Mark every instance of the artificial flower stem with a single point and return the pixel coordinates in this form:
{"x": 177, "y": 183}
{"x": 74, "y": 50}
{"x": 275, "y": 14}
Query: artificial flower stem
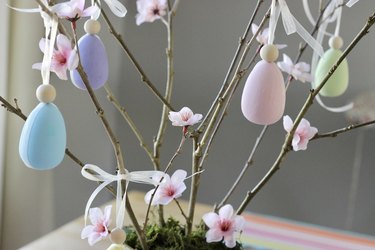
{"x": 168, "y": 95}
{"x": 236, "y": 57}
{"x": 309, "y": 101}
{"x": 138, "y": 67}
{"x": 129, "y": 120}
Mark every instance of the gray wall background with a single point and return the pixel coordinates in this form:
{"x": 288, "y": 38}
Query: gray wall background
{"x": 312, "y": 186}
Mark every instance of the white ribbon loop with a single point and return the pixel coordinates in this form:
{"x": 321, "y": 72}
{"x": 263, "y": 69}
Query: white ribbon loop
{"x": 95, "y": 173}
{"x": 350, "y": 3}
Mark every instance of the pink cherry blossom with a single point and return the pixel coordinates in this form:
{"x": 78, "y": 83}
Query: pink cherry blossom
{"x": 262, "y": 37}
{"x": 299, "y": 71}
{"x": 184, "y": 117}
{"x": 65, "y": 57}
{"x": 100, "y": 223}
{"x": 223, "y": 225}
{"x": 303, "y": 133}
{"x": 150, "y": 10}
{"x": 170, "y": 188}
{"x": 74, "y": 9}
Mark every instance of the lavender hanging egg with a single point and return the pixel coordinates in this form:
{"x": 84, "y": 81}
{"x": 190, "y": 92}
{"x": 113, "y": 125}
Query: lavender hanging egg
{"x": 43, "y": 137}
{"x": 93, "y": 57}
{"x": 263, "y": 97}
{"x": 338, "y": 82}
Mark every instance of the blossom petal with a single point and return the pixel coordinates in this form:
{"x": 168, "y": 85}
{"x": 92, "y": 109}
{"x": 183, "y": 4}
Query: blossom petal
{"x": 63, "y": 43}
{"x": 148, "y": 197}
{"x": 229, "y": 241}
{"x": 86, "y": 231}
{"x": 285, "y": 67}
{"x": 239, "y": 223}
{"x": 60, "y": 72}
{"x": 37, "y": 66}
{"x": 226, "y": 212}
{"x": 107, "y": 213}
{"x": 90, "y": 11}
{"x": 287, "y": 59}
{"x": 211, "y": 219}
{"x": 214, "y": 235}
{"x": 195, "y": 119}
{"x": 42, "y": 44}
{"x": 73, "y": 60}
{"x": 95, "y": 215}
{"x": 254, "y": 28}
{"x": 287, "y": 123}
{"x": 94, "y": 238}
{"x": 178, "y": 176}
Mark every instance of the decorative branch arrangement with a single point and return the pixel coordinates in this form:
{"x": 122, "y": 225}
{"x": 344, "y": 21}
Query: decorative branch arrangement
{"x": 263, "y": 102}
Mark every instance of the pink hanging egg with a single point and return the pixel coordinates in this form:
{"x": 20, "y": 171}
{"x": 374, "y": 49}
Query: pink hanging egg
{"x": 93, "y": 57}
{"x": 263, "y": 97}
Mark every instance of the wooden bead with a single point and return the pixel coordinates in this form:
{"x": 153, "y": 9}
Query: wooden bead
{"x": 46, "y": 93}
{"x": 92, "y": 27}
{"x": 269, "y": 53}
{"x": 118, "y": 236}
{"x": 335, "y": 42}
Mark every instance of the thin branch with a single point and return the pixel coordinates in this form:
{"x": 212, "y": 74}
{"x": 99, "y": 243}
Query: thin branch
{"x": 309, "y": 101}
{"x": 129, "y": 120}
{"x": 138, "y": 67}
{"x": 337, "y": 132}
{"x": 182, "y": 211}
{"x": 236, "y": 57}
{"x": 169, "y": 165}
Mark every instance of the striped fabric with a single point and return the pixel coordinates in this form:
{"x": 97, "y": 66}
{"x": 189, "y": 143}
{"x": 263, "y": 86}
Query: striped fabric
{"x": 263, "y": 232}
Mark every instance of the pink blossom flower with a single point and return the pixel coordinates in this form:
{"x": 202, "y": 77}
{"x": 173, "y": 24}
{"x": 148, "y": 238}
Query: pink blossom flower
{"x": 99, "y": 228}
{"x": 170, "y": 188}
{"x": 223, "y": 225}
{"x": 262, "y": 37}
{"x": 74, "y": 9}
{"x": 65, "y": 57}
{"x": 150, "y": 10}
{"x": 184, "y": 117}
{"x": 299, "y": 71}
{"x": 303, "y": 134}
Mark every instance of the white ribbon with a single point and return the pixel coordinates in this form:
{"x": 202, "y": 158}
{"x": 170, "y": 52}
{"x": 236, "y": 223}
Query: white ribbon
{"x": 95, "y": 173}
{"x": 117, "y": 8}
{"x": 350, "y": 3}
{"x": 291, "y": 25}
{"x": 50, "y": 24}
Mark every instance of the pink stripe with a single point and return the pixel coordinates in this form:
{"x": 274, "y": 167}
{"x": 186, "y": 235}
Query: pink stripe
{"x": 292, "y": 240}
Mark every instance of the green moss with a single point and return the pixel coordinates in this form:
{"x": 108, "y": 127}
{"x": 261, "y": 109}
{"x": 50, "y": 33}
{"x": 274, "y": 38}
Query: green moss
{"x": 172, "y": 236}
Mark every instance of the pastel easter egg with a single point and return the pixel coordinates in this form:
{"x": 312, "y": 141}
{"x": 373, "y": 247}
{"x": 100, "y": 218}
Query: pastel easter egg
{"x": 338, "y": 82}
{"x": 94, "y": 61}
{"x": 263, "y": 97}
{"x": 116, "y": 247}
{"x": 43, "y": 138}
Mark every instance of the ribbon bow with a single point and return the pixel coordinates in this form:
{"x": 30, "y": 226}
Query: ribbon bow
{"x": 95, "y": 173}
{"x": 117, "y": 8}
{"x": 291, "y": 25}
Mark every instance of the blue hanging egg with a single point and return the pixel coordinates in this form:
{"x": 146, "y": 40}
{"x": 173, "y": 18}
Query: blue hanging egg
{"x": 93, "y": 57}
{"x": 43, "y": 138}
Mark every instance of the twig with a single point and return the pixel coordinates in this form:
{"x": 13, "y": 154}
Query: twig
{"x": 236, "y": 57}
{"x": 158, "y": 141}
{"x": 335, "y": 133}
{"x": 130, "y": 121}
{"x": 182, "y": 211}
{"x": 309, "y": 101}
{"x": 178, "y": 151}
{"x": 138, "y": 67}
{"x": 197, "y": 153}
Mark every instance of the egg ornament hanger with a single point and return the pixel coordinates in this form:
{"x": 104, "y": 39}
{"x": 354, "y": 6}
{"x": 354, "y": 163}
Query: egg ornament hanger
{"x": 338, "y": 83}
{"x": 263, "y": 97}
{"x": 43, "y": 138}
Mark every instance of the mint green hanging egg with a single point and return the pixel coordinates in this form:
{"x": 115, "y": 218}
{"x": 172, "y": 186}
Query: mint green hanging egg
{"x": 338, "y": 82}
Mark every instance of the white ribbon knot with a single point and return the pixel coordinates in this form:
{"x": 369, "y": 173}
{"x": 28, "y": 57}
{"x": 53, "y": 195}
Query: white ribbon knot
{"x": 95, "y": 173}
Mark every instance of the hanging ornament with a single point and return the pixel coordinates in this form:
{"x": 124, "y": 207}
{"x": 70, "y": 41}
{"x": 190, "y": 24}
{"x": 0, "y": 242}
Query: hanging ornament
{"x": 338, "y": 82}
{"x": 263, "y": 97}
{"x": 43, "y": 138}
{"x": 93, "y": 58}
